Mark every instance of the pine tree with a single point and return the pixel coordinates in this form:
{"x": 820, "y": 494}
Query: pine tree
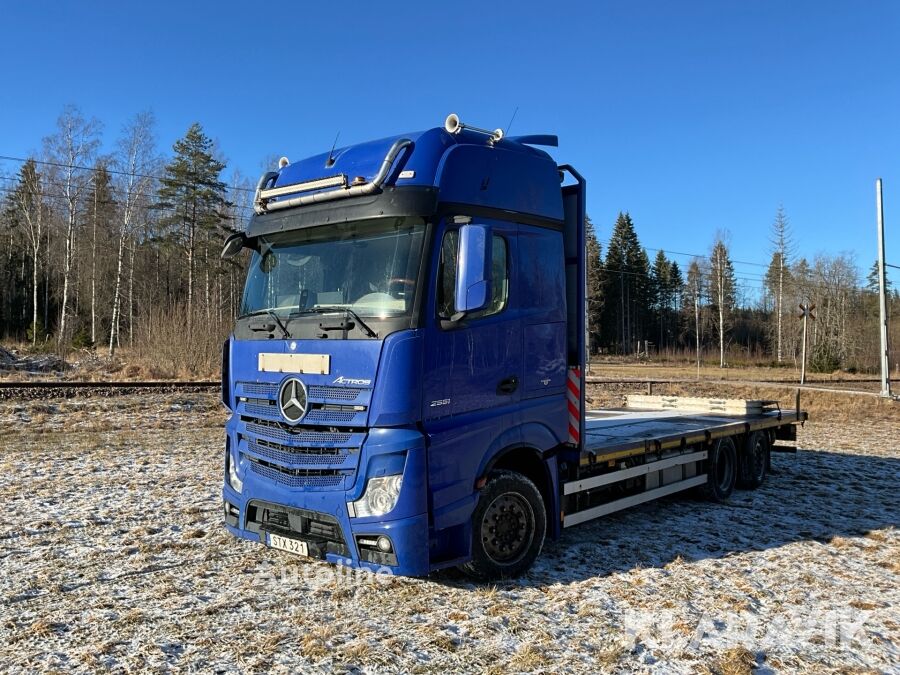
{"x": 692, "y": 300}
{"x": 782, "y": 248}
{"x": 873, "y": 282}
{"x": 722, "y": 291}
{"x": 595, "y": 281}
{"x": 26, "y": 209}
{"x": 193, "y": 193}
{"x": 660, "y": 294}
{"x": 626, "y": 286}
{"x": 676, "y": 286}
{"x": 101, "y": 206}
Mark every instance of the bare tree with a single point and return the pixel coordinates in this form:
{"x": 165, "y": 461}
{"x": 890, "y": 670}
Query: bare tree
{"x": 135, "y": 160}
{"x": 70, "y": 150}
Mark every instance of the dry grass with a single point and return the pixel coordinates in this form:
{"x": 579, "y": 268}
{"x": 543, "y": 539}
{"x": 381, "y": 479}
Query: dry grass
{"x": 734, "y": 661}
{"x": 113, "y": 557}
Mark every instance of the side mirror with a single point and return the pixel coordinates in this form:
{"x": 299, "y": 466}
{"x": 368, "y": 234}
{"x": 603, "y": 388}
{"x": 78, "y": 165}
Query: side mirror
{"x": 473, "y": 270}
{"x": 233, "y": 245}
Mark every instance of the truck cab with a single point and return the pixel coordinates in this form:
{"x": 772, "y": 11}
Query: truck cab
{"x": 405, "y": 338}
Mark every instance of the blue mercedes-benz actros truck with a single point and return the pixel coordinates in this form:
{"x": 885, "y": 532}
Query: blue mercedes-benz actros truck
{"x": 406, "y": 375}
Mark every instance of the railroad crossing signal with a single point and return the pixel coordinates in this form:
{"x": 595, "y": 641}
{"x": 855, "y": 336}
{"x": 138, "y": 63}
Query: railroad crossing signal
{"x": 806, "y": 311}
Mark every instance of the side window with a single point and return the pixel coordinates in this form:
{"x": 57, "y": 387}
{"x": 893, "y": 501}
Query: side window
{"x": 447, "y": 277}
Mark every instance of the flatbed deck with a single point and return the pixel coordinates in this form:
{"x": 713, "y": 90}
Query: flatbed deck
{"x": 625, "y": 432}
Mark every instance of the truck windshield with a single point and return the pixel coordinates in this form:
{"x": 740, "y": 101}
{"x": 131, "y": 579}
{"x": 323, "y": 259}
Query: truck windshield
{"x": 369, "y": 267}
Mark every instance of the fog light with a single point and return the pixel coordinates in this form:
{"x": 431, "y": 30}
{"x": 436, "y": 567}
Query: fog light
{"x": 384, "y": 544}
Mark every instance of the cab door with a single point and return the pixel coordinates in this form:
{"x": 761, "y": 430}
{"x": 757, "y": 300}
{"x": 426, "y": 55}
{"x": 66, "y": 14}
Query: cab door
{"x": 473, "y": 379}
{"x": 476, "y": 361}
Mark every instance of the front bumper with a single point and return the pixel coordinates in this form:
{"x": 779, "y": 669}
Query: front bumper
{"x": 320, "y": 517}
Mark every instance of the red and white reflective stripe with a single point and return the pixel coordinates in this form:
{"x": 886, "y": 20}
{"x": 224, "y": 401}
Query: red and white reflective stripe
{"x": 573, "y": 397}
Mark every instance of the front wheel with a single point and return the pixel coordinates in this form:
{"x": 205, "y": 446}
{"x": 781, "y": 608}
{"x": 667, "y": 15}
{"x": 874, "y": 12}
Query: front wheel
{"x": 508, "y": 527}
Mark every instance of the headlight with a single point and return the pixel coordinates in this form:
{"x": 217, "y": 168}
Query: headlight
{"x": 379, "y": 498}
{"x": 236, "y": 483}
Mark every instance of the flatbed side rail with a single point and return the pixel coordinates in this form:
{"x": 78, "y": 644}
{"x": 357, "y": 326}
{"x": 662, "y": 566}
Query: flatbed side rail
{"x": 674, "y": 441}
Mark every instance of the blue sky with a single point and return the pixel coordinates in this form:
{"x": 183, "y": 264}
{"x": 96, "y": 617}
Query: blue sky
{"x": 693, "y": 116}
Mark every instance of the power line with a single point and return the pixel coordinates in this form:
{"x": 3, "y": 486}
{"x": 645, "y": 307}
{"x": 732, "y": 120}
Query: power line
{"x": 693, "y": 255}
{"x": 112, "y": 188}
{"x": 60, "y": 165}
{"x": 150, "y": 207}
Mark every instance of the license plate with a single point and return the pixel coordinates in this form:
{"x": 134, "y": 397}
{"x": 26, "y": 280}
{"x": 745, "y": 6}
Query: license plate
{"x": 288, "y": 544}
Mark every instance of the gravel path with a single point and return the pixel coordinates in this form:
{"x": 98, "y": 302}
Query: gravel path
{"x": 112, "y": 555}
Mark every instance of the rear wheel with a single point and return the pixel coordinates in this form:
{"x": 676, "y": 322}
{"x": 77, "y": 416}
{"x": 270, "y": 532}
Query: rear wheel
{"x": 508, "y": 527}
{"x": 754, "y": 460}
{"x": 721, "y": 470}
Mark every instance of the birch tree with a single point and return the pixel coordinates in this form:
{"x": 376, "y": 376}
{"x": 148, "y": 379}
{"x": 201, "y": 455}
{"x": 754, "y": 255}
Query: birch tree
{"x": 70, "y": 150}
{"x": 135, "y": 162}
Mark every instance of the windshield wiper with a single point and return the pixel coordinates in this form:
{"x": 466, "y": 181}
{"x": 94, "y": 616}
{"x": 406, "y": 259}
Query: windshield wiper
{"x": 328, "y": 309}
{"x": 274, "y": 316}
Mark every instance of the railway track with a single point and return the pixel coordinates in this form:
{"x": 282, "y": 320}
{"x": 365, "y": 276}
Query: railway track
{"x": 63, "y": 389}
{"x": 30, "y": 390}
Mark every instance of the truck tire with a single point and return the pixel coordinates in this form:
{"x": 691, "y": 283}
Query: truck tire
{"x": 754, "y": 460}
{"x": 508, "y": 527}
{"x": 722, "y": 470}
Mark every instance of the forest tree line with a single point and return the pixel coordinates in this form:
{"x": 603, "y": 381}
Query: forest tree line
{"x": 703, "y": 306}
{"x": 103, "y": 250}
{"x": 121, "y": 248}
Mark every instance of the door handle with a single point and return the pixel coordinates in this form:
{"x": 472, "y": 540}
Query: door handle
{"x": 507, "y": 386}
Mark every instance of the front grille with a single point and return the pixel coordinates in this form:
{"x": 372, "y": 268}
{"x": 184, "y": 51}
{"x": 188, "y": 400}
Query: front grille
{"x": 315, "y": 391}
{"x": 266, "y": 409}
{"x": 260, "y": 389}
{"x": 330, "y": 416}
{"x": 321, "y": 478}
{"x": 334, "y": 393}
{"x": 277, "y": 431}
{"x": 285, "y": 454}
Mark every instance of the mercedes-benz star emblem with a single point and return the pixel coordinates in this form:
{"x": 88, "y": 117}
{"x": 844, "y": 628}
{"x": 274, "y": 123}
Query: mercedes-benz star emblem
{"x": 292, "y": 399}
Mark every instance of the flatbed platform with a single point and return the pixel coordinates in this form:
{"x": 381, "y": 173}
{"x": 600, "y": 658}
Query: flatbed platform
{"x": 615, "y": 433}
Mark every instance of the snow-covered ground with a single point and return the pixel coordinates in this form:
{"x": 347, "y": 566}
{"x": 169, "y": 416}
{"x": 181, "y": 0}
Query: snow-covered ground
{"x": 112, "y": 554}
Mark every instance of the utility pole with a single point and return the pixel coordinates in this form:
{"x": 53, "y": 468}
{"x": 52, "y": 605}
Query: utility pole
{"x": 882, "y": 296}
{"x": 805, "y": 314}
